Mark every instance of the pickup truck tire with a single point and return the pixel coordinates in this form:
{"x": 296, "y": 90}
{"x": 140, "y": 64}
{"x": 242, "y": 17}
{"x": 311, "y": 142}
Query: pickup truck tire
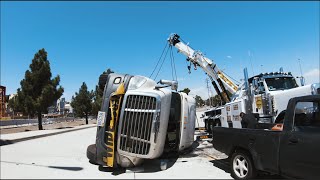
{"x": 242, "y": 166}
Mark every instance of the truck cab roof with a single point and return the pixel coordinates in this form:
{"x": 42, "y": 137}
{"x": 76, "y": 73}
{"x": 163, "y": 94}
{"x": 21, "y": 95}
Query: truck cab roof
{"x": 271, "y": 75}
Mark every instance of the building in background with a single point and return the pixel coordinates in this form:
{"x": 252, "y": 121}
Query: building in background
{"x": 68, "y": 108}
{"x": 59, "y": 108}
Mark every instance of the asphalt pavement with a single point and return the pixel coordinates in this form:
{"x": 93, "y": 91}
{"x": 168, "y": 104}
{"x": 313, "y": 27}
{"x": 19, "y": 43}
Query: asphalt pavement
{"x": 64, "y": 156}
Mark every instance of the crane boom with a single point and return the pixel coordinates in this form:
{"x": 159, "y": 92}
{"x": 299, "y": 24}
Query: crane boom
{"x": 198, "y": 59}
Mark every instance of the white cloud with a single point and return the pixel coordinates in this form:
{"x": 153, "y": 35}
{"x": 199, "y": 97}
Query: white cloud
{"x": 229, "y": 57}
{"x": 312, "y": 76}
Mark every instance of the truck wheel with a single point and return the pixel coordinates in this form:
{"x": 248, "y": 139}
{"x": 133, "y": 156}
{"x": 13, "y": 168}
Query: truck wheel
{"x": 92, "y": 154}
{"x": 242, "y": 166}
{"x": 280, "y": 117}
{"x": 217, "y": 123}
{"x": 209, "y": 126}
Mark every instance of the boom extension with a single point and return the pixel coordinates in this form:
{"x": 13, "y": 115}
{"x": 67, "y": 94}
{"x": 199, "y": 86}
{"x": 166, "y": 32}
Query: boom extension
{"x": 198, "y": 59}
{"x": 218, "y": 90}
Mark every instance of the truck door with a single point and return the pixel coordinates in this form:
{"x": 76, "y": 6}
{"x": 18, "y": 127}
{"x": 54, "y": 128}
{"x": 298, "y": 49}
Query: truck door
{"x": 299, "y": 147}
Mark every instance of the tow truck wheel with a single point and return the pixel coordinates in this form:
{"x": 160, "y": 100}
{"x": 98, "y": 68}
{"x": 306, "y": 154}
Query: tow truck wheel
{"x": 217, "y": 123}
{"x": 242, "y": 166}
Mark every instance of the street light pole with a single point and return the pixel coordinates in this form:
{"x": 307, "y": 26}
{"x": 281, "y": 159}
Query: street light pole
{"x": 301, "y": 77}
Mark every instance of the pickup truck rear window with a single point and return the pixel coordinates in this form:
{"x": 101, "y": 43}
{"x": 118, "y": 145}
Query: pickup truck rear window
{"x": 307, "y": 114}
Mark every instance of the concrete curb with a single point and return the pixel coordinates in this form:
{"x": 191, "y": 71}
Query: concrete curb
{"x": 4, "y": 142}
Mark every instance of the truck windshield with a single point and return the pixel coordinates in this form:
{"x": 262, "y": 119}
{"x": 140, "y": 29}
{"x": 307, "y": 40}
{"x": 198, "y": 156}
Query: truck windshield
{"x": 281, "y": 83}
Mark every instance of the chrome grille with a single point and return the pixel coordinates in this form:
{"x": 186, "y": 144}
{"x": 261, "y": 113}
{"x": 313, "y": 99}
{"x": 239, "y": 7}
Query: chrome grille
{"x": 137, "y": 123}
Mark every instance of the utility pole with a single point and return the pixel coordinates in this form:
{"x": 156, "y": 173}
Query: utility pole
{"x": 301, "y": 77}
{"x": 207, "y": 81}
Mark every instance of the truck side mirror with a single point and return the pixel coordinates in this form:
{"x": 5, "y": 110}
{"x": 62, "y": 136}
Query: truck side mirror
{"x": 173, "y": 84}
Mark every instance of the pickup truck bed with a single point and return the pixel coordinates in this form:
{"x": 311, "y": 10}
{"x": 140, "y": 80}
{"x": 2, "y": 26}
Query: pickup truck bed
{"x": 262, "y": 145}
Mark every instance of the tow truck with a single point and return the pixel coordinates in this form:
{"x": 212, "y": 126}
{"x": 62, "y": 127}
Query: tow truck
{"x": 265, "y": 95}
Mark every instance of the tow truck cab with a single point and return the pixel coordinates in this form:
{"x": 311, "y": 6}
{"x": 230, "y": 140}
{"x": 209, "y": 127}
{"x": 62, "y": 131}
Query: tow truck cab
{"x": 266, "y": 96}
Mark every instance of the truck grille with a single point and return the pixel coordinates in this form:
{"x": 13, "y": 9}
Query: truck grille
{"x": 136, "y": 124}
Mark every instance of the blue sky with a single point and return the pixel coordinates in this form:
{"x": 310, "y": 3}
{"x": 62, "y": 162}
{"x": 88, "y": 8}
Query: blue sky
{"x": 85, "y": 38}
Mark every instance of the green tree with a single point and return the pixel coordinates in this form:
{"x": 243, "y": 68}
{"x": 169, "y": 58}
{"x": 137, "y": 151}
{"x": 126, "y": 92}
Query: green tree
{"x": 38, "y": 91}
{"x": 214, "y": 101}
{"x": 97, "y": 100}
{"x": 185, "y": 90}
{"x": 13, "y": 103}
{"x": 82, "y": 102}
{"x": 98, "y": 93}
{"x": 199, "y": 101}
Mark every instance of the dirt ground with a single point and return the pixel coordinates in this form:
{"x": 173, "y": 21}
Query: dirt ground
{"x": 58, "y": 125}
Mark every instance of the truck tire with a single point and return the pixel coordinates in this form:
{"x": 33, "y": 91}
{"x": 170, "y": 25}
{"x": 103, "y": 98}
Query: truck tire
{"x": 242, "y": 166}
{"x": 280, "y": 117}
{"x": 206, "y": 124}
{"x": 92, "y": 154}
{"x": 217, "y": 123}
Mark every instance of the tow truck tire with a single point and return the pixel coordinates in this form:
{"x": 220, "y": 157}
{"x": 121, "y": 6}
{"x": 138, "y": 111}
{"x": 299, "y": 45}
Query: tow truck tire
{"x": 92, "y": 154}
{"x": 242, "y": 166}
{"x": 217, "y": 123}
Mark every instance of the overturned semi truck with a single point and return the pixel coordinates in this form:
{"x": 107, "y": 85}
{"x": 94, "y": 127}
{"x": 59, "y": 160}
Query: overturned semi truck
{"x": 141, "y": 119}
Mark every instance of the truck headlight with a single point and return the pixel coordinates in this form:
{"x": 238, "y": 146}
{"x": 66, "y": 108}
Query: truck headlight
{"x": 136, "y": 82}
{"x": 315, "y": 88}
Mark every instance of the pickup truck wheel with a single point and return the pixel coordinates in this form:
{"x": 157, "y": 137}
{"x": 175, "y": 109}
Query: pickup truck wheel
{"x": 242, "y": 166}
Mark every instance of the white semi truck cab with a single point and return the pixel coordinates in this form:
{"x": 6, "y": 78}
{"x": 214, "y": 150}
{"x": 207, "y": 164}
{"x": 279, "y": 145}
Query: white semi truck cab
{"x": 265, "y": 95}
{"x": 141, "y": 119}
